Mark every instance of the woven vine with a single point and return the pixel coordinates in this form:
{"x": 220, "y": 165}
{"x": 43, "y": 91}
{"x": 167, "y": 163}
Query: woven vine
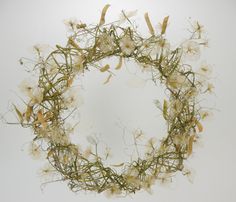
{"x": 50, "y": 99}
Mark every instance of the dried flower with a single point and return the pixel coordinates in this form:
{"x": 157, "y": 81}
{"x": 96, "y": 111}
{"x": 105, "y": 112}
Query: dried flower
{"x": 191, "y": 50}
{"x": 27, "y": 86}
{"x": 198, "y": 28}
{"x": 47, "y": 172}
{"x": 204, "y": 70}
{"x": 210, "y": 88}
{"x": 105, "y": 43}
{"x": 78, "y": 66}
{"x": 147, "y": 184}
{"x": 37, "y": 95}
{"x": 127, "y": 45}
{"x": 52, "y": 68}
{"x": 35, "y": 151}
{"x": 71, "y": 24}
{"x": 114, "y": 190}
{"x": 190, "y": 173}
{"x": 126, "y": 15}
{"x": 72, "y": 98}
{"x": 176, "y": 80}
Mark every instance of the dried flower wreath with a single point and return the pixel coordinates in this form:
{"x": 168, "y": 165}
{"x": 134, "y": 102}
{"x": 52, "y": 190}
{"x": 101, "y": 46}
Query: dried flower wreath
{"x": 52, "y": 96}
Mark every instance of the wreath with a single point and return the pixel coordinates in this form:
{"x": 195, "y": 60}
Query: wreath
{"x": 52, "y": 100}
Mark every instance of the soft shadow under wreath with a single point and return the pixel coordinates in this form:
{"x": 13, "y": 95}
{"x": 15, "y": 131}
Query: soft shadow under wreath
{"x": 51, "y": 100}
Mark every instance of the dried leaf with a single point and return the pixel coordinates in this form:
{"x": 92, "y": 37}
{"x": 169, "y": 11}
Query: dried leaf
{"x": 190, "y": 144}
{"x": 149, "y": 24}
{"x": 104, "y": 10}
{"x": 165, "y": 109}
{"x": 18, "y": 114}
{"x": 105, "y": 68}
{"x": 119, "y": 65}
{"x": 164, "y": 25}
{"x": 118, "y": 165}
{"x": 28, "y": 113}
{"x": 41, "y": 119}
{"x": 199, "y": 126}
{"x": 50, "y": 153}
{"x": 108, "y": 79}
{"x": 69, "y": 82}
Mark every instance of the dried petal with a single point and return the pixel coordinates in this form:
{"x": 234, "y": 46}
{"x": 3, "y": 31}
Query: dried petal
{"x": 105, "y": 68}
{"x": 104, "y": 10}
{"x": 164, "y": 25}
{"x": 165, "y": 109}
{"x": 119, "y": 65}
{"x": 149, "y": 24}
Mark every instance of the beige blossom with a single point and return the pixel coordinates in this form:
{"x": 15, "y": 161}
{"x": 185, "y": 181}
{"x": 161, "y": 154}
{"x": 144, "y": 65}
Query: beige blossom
{"x": 191, "y": 50}
{"x": 72, "y": 98}
{"x": 127, "y": 45}
{"x": 105, "y": 43}
{"x": 176, "y": 80}
{"x": 78, "y": 66}
{"x": 35, "y": 151}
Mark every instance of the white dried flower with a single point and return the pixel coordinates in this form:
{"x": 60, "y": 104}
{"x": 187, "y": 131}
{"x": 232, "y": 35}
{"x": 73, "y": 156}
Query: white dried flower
{"x": 114, "y": 190}
{"x": 41, "y": 49}
{"x": 147, "y": 184}
{"x": 204, "y": 70}
{"x": 190, "y": 173}
{"x": 35, "y": 151}
{"x": 71, "y": 24}
{"x": 126, "y": 14}
{"x": 176, "y": 107}
{"x": 78, "y": 64}
{"x": 27, "y": 86}
{"x": 153, "y": 48}
{"x": 52, "y": 68}
{"x": 198, "y": 28}
{"x": 37, "y": 95}
{"x": 176, "y": 80}
{"x": 164, "y": 179}
{"x": 56, "y": 135}
{"x": 47, "y": 172}
{"x": 30, "y": 89}
{"x": 105, "y": 43}
{"x": 127, "y": 45}
{"x": 72, "y": 98}
{"x": 191, "y": 50}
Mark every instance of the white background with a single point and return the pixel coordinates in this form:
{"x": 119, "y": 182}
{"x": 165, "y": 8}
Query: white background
{"x": 28, "y": 22}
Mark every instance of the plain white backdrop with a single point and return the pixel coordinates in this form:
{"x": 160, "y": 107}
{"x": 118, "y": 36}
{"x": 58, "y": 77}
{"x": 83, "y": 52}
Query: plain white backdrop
{"x": 28, "y": 22}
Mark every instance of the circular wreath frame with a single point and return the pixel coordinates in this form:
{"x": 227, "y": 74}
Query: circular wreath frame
{"x": 181, "y": 112}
